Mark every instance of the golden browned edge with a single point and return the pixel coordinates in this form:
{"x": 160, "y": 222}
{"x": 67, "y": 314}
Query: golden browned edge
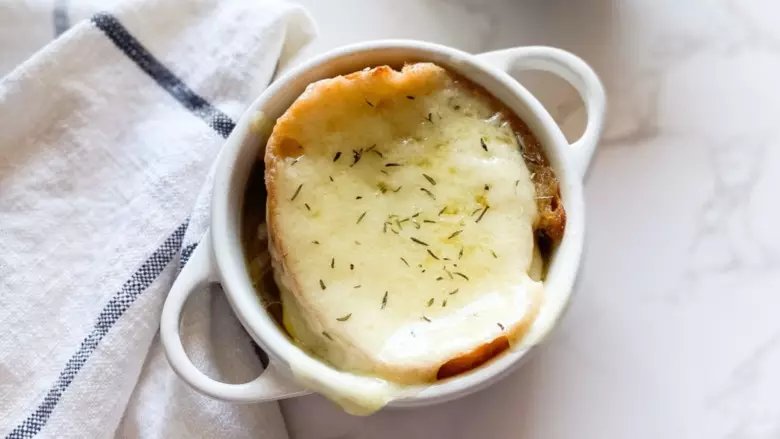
{"x": 550, "y": 224}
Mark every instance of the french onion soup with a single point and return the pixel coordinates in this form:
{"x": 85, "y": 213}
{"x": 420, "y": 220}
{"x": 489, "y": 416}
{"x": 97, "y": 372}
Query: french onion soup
{"x": 407, "y": 217}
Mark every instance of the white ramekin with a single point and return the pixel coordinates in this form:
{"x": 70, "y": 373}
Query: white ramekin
{"x": 219, "y": 257}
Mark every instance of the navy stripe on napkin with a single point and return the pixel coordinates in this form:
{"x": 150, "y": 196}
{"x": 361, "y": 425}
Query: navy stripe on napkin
{"x": 186, "y": 252}
{"x": 61, "y": 17}
{"x": 216, "y": 119}
{"x": 116, "y": 307}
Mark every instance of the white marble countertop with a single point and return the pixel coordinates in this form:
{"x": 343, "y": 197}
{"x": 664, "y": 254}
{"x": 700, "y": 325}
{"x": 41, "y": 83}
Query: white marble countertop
{"x": 674, "y": 331}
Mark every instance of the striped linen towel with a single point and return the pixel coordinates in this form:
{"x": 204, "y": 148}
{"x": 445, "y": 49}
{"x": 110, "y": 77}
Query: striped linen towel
{"x": 108, "y": 135}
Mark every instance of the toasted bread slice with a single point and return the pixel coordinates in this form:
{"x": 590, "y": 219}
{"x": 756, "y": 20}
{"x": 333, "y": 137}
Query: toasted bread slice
{"x": 402, "y": 209}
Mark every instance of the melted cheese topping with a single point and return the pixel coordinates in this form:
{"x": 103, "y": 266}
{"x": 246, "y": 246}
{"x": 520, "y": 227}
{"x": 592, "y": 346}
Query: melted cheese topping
{"x": 405, "y": 222}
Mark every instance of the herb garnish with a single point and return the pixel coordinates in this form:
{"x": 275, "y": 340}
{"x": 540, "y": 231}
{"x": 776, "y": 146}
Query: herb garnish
{"x": 430, "y": 302}
{"x": 500, "y": 326}
{"x": 517, "y": 182}
{"x": 322, "y": 284}
{"x": 442, "y": 210}
{"x": 344, "y": 318}
{"x": 378, "y": 153}
{"x": 411, "y": 98}
{"x": 332, "y": 262}
{"x": 297, "y": 191}
{"x": 371, "y": 148}
{"x": 460, "y": 274}
{"x": 384, "y": 301}
{"x": 315, "y": 242}
{"x": 482, "y": 142}
{"x": 433, "y": 254}
{"x": 369, "y": 104}
{"x": 416, "y": 215}
{"x": 363, "y": 215}
{"x": 356, "y": 154}
{"x": 390, "y": 165}
{"x": 429, "y": 221}
{"x": 426, "y": 319}
{"x": 331, "y": 178}
{"x": 439, "y": 278}
{"x": 418, "y": 241}
{"x": 448, "y": 272}
{"x": 487, "y": 187}
{"x": 397, "y": 189}
{"x": 407, "y": 264}
{"x": 337, "y": 156}
{"x": 444, "y": 303}
{"x": 358, "y": 197}
{"x": 429, "y": 118}
{"x": 455, "y": 291}
{"x": 460, "y": 253}
{"x": 494, "y": 254}
{"x": 454, "y": 234}
{"x": 483, "y": 213}
{"x": 430, "y": 179}
{"x": 357, "y": 286}
{"x": 307, "y": 206}
{"x": 430, "y": 194}
{"x": 351, "y": 266}
{"x": 327, "y": 335}
{"x": 384, "y": 172}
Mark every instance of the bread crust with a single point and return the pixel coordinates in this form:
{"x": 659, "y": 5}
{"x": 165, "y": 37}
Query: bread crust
{"x": 382, "y": 81}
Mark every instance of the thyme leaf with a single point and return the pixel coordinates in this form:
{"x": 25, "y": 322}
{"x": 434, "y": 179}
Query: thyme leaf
{"x": 344, "y": 318}
{"x": 356, "y": 155}
{"x": 457, "y": 273}
{"x": 418, "y": 241}
{"x": 483, "y": 213}
{"x": 297, "y": 191}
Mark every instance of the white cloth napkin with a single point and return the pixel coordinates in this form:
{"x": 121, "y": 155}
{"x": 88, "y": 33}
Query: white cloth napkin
{"x": 107, "y": 139}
